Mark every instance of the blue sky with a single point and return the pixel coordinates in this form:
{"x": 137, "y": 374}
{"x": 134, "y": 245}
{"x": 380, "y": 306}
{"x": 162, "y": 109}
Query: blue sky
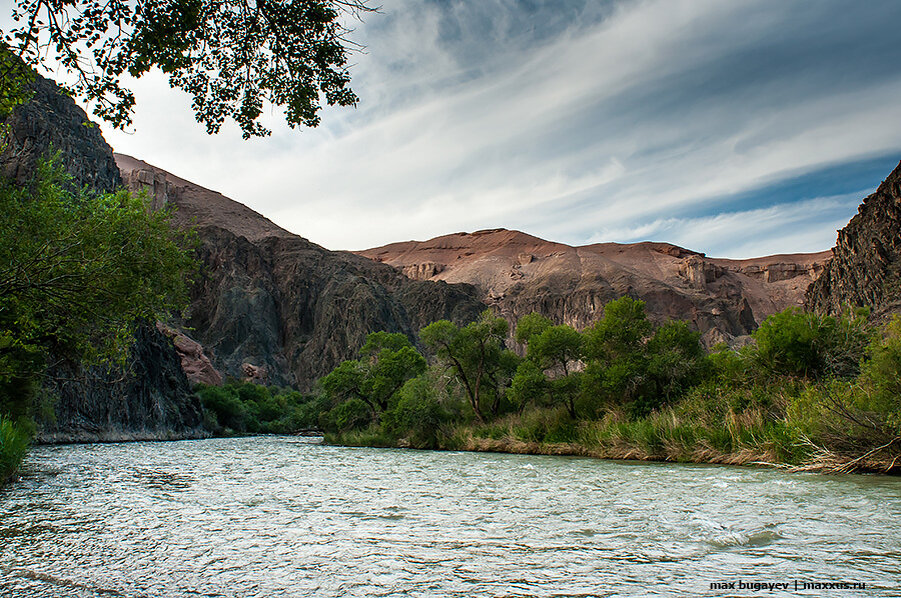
{"x": 733, "y": 128}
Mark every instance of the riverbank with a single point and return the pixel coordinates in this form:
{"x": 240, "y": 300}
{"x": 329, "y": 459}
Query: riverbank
{"x": 669, "y": 436}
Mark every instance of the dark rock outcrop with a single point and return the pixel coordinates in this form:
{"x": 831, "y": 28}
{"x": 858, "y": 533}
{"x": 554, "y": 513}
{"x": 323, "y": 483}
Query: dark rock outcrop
{"x": 51, "y": 121}
{"x": 148, "y": 399}
{"x": 865, "y": 269}
{"x": 275, "y": 308}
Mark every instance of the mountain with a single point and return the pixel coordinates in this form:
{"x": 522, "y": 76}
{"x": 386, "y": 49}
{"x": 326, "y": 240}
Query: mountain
{"x": 150, "y": 398}
{"x": 517, "y": 273}
{"x": 274, "y": 307}
{"x": 865, "y": 269}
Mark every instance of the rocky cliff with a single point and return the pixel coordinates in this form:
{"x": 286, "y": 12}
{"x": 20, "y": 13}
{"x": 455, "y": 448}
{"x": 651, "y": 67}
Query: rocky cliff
{"x": 865, "y": 269}
{"x": 151, "y": 397}
{"x": 272, "y": 306}
{"x": 518, "y": 274}
{"x": 148, "y": 399}
{"x": 53, "y": 120}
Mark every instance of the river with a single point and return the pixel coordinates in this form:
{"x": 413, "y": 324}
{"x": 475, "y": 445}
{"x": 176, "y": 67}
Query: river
{"x": 285, "y": 516}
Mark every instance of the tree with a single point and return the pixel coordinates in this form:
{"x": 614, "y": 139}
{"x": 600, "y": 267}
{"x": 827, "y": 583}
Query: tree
{"x": 231, "y": 56}
{"x": 386, "y": 362}
{"x": 553, "y": 348}
{"x": 809, "y": 345}
{"x": 77, "y": 271}
{"x": 676, "y": 361}
{"x": 477, "y": 357}
{"x": 615, "y": 349}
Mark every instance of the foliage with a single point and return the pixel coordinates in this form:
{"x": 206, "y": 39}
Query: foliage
{"x": 418, "y": 415}
{"x": 809, "y": 345}
{"x": 529, "y": 386}
{"x": 77, "y": 270}
{"x": 231, "y": 56}
{"x": 386, "y": 362}
{"x": 245, "y": 407}
{"x": 627, "y": 388}
{"x": 881, "y": 377}
{"x": 15, "y": 81}
{"x": 14, "y": 440}
{"x": 476, "y": 356}
{"x": 531, "y": 325}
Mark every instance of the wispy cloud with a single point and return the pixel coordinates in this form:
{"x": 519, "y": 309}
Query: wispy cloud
{"x": 594, "y": 122}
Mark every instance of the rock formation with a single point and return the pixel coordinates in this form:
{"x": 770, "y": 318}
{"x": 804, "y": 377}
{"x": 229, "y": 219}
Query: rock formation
{"x": 151, "y": 397}
{"x": 517, "y": 273}
{"x": 148, "y": 399}
{"x": 865, "y": 269}
{"x": 52, "y": 120}
{"x": 271, "y": 306}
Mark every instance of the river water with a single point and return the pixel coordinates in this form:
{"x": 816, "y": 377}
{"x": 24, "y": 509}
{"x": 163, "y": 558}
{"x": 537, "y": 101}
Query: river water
{"x": 284, "y": 516}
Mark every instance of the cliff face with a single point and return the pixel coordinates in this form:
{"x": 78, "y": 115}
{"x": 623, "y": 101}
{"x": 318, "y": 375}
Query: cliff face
{"x": 148, "y": 399}
{"x": 272, "y": 306}
{"x": 865, "y": 269}
{"x": 518, "y": 274}
{"x": 52, "y": 120}
{"x": 151, "y": 397}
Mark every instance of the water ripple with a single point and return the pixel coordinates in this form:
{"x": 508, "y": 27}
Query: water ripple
{"x": 279, "y": 517}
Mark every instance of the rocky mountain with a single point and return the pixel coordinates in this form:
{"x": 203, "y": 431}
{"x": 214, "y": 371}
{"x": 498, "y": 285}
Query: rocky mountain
{"x": 517, "y": 274}
{"x": 150, "y": 398}
{"x": 53, "y": 120}
{"x": 865, "y": 269}
{"x": 274, "y": 307}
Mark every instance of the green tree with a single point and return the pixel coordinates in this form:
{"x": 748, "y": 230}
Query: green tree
{"x": 232, "y": 56}
{"x": 554, "y": 349}
{"x": 77, "y": 271}
{"x": 809, "y": 345}
{"x": 529, "y": 385}
{"x": 676, "y": 362}
{"x": 615, "y": 350}
{"x": 418, "y": 414}
{"x": 386, "y": 362}
{"x": 477, "y": 357}
{"x": 531, "y": 325}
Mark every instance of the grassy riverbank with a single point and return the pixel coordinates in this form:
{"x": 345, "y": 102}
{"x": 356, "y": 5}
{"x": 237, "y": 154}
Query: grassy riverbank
{"x": 14, "y": 441}
{"x": 812, "y": 393}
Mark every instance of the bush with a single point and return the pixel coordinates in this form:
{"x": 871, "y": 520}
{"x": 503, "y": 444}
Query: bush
{"x": 418, "y": 414}
{"x": 808, "y": 345}
{"x": 242, "y": 407}
{"x": 14, "y": 441}
{"x": 352, "y": 414}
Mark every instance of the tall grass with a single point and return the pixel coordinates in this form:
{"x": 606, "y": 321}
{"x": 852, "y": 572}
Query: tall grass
{"x": 13, "y": 446}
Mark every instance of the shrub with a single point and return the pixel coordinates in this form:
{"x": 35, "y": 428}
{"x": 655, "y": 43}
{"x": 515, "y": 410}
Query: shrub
{"x": 14, "y": 441}
{"x": 418, "y": 414}
{"x": 797, "y": 343}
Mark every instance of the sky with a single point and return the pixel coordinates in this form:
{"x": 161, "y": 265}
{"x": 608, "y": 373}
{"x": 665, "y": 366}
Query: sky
{"x": 739, "y": 128}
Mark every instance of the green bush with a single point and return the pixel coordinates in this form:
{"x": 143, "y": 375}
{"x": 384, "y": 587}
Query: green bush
{"x": 418, "y": 414}
{"x": 245, "y": 407}
{"x": 14, "y": 441}
{"x": 352, "y": 414}
{"x": 798, "y": 343}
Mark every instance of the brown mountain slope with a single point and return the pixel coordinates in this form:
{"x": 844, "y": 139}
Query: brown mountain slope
{"x": 275, "y": 307}
{"x": 518, "y": 273}
{"x": 866, "y": 267}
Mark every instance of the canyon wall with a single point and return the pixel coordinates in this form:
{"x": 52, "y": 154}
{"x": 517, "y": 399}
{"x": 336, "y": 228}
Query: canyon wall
{"x": 865, "y": 269}
{"x": 151, "y": 397}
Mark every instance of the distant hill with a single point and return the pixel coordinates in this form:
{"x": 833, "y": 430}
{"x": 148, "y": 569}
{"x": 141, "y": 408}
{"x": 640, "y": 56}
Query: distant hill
{"x": 517, "y": 273}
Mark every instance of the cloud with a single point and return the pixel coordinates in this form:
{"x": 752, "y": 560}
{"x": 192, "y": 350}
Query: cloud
{"x": 589, "y": 123}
